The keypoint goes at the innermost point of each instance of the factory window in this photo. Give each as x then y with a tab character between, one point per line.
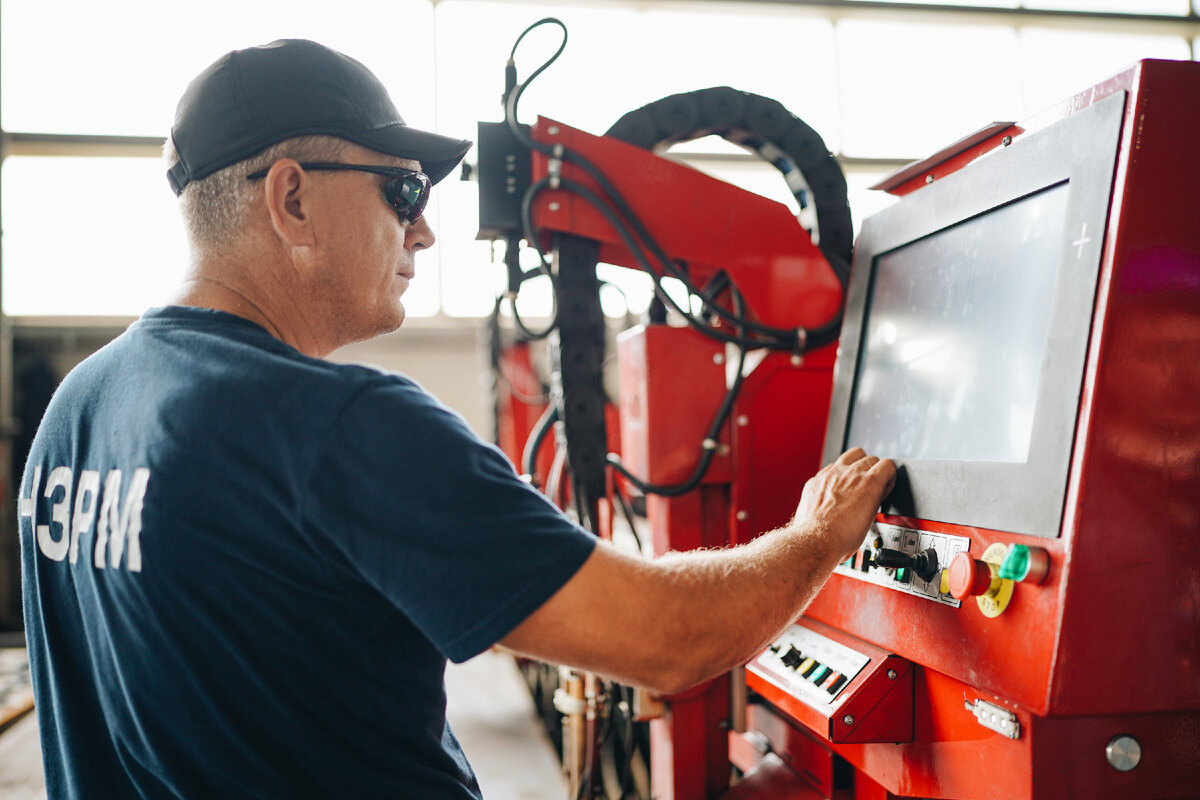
90	228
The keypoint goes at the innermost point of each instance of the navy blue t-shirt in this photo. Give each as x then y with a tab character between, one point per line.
244	570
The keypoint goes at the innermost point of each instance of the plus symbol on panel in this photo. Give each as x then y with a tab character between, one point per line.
1081	241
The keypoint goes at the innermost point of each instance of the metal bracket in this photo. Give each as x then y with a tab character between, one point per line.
995	718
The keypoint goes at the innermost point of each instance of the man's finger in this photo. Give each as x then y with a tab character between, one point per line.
885	466
851	455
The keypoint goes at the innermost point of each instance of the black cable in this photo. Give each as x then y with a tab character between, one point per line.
709	445
794	339
513	96
627	513
622	230
537	438
496	349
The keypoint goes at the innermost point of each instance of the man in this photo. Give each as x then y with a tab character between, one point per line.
245	566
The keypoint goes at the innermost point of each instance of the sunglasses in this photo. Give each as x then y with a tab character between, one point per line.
407	191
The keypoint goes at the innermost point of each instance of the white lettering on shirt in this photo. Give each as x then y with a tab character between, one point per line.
52	548
85	508
118	525
113	529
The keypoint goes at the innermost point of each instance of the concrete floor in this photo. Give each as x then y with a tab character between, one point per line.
489	708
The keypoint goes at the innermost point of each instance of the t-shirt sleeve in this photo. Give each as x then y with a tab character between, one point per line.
437	520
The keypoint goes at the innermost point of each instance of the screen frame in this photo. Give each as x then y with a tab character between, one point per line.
1027	498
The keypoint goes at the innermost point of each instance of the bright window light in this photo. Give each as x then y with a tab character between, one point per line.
71	66
619	58
1114	6
1058	64
974	3
89	236
910	89
873	89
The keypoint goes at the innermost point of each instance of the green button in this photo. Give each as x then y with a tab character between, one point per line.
1016	563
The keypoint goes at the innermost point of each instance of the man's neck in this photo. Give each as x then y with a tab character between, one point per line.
204	289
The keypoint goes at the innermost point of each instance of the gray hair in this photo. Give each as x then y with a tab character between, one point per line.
214	208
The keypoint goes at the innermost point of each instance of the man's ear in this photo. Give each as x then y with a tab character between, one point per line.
287	189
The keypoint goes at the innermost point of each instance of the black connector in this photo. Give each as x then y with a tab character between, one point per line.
505	171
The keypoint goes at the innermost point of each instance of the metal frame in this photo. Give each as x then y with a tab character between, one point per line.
1080	151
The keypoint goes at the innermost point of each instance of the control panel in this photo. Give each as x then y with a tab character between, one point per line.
814	667
838	686
907	560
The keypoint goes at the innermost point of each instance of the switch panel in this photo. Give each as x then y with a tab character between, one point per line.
813	668
883	535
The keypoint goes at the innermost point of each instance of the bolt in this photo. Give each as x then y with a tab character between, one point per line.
554	206
742	516
892	674
849	720
1123	752
552	130
797	360
743	420
1006	141
718	358
929	179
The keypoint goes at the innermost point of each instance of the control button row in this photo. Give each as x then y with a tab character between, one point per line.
823	676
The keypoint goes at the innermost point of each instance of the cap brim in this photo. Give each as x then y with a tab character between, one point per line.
438	154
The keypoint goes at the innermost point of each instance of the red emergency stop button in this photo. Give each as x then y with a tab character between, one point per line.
969	577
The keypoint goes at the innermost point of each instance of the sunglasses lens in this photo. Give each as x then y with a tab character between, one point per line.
408	195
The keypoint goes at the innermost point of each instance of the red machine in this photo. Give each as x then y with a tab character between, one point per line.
1020	334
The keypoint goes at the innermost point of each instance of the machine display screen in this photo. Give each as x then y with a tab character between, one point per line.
954	336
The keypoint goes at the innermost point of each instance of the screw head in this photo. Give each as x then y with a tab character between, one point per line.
741	515
1123	752
554	206
552	130
891	673
1006	141
743	420
848	719
929	179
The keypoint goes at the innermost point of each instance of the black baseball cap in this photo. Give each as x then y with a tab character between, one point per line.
251	99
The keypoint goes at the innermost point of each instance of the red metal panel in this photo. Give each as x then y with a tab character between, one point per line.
1109	643
519	404
709	224
773	779
1133	600
1011	655
875	706
777	435
672	383
689	747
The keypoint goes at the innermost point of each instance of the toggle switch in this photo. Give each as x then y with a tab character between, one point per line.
924	563
792	658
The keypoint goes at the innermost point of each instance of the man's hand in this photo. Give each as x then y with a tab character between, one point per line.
845	495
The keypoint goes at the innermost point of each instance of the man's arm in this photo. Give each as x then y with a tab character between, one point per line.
671	622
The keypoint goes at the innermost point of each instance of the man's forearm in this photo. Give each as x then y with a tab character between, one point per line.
717	609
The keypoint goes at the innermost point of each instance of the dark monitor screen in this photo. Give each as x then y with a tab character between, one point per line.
966	328
955	335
